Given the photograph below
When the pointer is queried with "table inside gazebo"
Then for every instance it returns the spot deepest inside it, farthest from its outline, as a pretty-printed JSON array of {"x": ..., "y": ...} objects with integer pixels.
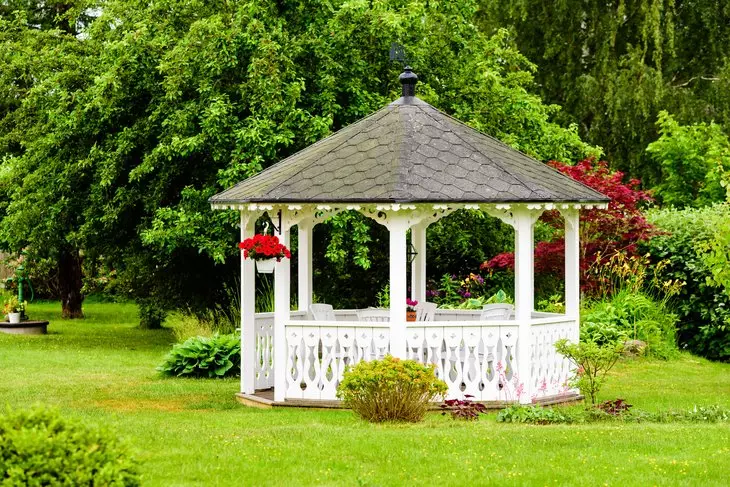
[{"x": 472, "y": 356}]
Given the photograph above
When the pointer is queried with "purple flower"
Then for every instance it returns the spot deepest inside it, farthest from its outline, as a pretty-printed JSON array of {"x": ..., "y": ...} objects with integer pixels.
[{"x": 467, "y": 294}]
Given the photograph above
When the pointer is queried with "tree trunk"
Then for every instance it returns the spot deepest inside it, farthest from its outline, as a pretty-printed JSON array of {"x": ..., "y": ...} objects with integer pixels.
[{"x": 70, "y": 282}]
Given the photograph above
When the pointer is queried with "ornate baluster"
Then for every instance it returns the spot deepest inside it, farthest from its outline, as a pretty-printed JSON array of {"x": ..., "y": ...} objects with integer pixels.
[
  {"x": 294, "y": 361},
  {"x": 454, "y": 366},
  {"x": 312, "y": 367},
  {"x": 472, "y": 366}
]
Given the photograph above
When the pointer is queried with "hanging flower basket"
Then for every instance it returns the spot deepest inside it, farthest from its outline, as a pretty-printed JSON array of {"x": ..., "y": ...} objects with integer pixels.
[
  {"x": 265, "y": 266},
  {"x": 265, "y": 250}
]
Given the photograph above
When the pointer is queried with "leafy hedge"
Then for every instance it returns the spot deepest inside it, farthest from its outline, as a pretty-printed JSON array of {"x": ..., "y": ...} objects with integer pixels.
[
  {"x": 40, "y": 447},
  {"x": 703, "y": 309},
  {"x": 215, "y": 356}
]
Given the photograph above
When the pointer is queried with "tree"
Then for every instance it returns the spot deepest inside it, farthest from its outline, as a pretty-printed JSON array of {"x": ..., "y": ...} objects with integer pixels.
[
  {"x": 163, "y": 104},
  {"x": 614, "y": 65},
  {"x": 44, "y": 195},
  {"x": 619, "y": 228},
  {"x": 693, "y": 161}
]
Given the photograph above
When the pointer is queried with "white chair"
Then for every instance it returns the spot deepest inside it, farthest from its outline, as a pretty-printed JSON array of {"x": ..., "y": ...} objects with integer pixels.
[
  {"x": 373, "y": 315},
  {"x": 425, "y": 311},
  {"x": 496, "y": 312},
  {"x": 322, "y": 312}
]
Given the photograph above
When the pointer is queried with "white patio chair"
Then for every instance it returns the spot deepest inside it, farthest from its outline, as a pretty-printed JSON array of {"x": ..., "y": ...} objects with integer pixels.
[
  {"x": 496, "y": 312},
  {"x": 425, "y": 311},
  {"x": 322, "y": 312},
  {"x": 373, "y": 315}
]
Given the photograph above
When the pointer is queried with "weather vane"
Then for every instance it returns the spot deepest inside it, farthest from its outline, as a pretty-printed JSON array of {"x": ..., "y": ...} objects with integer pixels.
[{"x": 398, "y": 53}]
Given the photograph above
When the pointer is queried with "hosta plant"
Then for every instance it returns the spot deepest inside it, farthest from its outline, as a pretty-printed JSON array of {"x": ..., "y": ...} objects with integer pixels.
[
  {"x": 390, "y": 389},
  {"x": 215, "y": 356}
]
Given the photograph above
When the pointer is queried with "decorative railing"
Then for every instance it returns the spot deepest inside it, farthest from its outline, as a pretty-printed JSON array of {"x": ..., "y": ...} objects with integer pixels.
[
  {"x": 478, "y": 359},
  {"x": 550, "y": 371},
  {"x": 317, "y": 354},
  {"x": 475, "y": 358}
]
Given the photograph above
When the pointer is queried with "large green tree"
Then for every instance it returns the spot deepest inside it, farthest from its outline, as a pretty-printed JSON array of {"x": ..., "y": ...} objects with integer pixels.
[
  {"x": 614, "y": 65},
  {"x": 158, "y": 105}
]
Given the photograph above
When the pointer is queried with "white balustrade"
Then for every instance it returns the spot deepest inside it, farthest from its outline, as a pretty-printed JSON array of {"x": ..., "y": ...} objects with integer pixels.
[
  {"x": 477, "y": 359},
  {"x": 550, "y": 371},
  {"x": 317, "y": 354}
]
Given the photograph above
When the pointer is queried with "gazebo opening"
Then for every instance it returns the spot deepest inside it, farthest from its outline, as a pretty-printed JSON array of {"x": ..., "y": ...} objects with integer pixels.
[{"x": 406, "y": 167}]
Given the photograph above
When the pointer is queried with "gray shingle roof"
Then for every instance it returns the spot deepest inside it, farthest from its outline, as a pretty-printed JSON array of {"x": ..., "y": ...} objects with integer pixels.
[{"x": 408, "y": 152}]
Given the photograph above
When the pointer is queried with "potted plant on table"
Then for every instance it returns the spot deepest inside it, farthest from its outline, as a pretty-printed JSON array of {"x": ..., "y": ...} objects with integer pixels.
[
  {"x": 14, "y": 309},
  {"x": 411, "y": 309},
  {"x": 265, "y": 250}
]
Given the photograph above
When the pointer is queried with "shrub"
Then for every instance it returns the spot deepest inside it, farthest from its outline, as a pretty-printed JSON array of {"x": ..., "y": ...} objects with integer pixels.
[
  {"x": 593, "y": 362},
  {"x": 537, "y": 415},
  {"x": 703, "y": 309},
  {"x": 629, "y": 316},
  {"x": 40, "y": 447},
  {"x": 215, "y": 356},
  {"x": 465, "y": 409},
  {"x": 390, "y": 389},
  {"x": 634, "y": 305}
]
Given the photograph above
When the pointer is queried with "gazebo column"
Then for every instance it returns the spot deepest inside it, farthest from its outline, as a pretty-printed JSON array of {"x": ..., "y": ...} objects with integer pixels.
[
  {"x": 418, "y": 267},
  {"x": 398, "y": 227},
  {"x": 524, "y": 220},
  {"x": 248, "y": 309},
  {"x": 572, "y": 267},
  {"x": 305, "y": 231},
  {"x": 282, "y": 313}
]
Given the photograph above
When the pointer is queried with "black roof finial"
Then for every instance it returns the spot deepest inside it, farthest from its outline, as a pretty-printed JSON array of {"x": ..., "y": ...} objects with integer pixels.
[{"x": 408, "y": 80}]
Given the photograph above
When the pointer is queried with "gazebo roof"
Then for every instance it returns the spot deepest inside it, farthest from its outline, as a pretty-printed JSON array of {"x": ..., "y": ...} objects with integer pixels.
[{"x": 408, "y": 152}]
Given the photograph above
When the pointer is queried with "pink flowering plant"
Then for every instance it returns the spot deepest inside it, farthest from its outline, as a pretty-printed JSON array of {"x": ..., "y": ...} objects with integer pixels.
[{"x": 411, "y": 304}]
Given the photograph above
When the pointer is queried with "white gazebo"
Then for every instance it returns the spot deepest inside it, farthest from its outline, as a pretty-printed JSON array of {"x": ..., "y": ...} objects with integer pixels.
[{"x": 406, "y": 166}]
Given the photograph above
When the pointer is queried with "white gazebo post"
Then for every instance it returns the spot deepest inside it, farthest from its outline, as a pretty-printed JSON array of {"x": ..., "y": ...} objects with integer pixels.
[
  {"x": 572, "y": 267},
  {"x": 304, "y": 288},
  {"x": 418, "y": 267},
  {"x": 248, "y": 309},
  {"x": 524, "y": 220},
  {"x": 282, "y": 312},
  {"x": 398, "y": 226}
]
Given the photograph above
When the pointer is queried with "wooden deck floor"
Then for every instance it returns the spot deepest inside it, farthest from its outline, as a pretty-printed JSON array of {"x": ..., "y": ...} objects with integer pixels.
[{"x": 265, "y": 399}]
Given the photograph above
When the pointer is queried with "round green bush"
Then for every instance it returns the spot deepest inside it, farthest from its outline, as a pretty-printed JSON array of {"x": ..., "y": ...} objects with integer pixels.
[
  {"x": 216, "y": 356},
  {"x": 40, "y": 447},
  {"x": 390, "y": 389}
]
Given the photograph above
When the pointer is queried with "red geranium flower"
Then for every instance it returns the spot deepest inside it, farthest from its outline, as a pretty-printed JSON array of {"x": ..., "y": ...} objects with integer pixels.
[{"x": 260, "y": 247}]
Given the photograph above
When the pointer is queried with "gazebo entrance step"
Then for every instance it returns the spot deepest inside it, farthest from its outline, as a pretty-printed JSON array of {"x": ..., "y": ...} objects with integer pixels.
[{"x": 264, "y": 399}]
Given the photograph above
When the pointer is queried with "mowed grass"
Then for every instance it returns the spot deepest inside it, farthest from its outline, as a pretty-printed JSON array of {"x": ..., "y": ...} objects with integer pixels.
[{"x": 192, "y": 432}]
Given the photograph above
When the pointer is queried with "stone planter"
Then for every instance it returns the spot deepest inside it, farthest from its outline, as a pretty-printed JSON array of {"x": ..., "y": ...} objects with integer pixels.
[
  {"x": 14, "y": 318},
  {"x": 24, "y": 328}
]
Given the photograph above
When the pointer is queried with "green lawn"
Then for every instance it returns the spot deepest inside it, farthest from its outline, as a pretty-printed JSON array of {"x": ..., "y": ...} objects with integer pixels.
[{"x": 192, "y": 432}]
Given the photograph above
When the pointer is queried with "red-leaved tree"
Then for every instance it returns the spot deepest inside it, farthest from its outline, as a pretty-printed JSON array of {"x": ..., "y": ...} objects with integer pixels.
[{"x": 602, "y": 232}]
